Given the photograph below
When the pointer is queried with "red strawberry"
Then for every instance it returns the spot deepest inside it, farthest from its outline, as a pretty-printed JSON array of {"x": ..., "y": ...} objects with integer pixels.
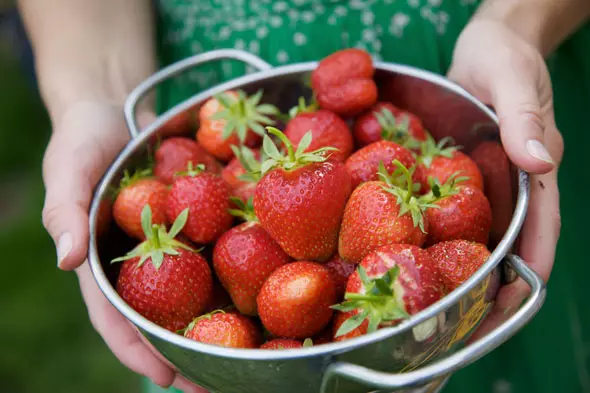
[
  {"x": 380, "y": 213},
  {"x": 390, "y": 284},
  {"x": 363, "y": 165},
  {"x": 343, "y": 82},
  {"x": 441, "y": 162},
  {"x": 494, "y": 165},
  {"x": 243, "y": 259},
  {"x": 462, "y": 212},
  {"x": 386, "y": 121},
  {"x": 286, "y": 343},
  {"x": 104, "y": 217},
  {"x": 339, "y": 319},
  {"x": 207, "y": 197},
  {"x": 327, "y": 130},
  {"x": 174, "y": 154},
  {"x": 180, "y": 124},
  {"x": 220, "y": 298},
  {"x": 323, "y": 337},
  {"x": 295, "y": 300},
  {"x": 244, "y": 178},
  {"x": 245, "y": 161},
  {"x": 340, "y": 270},
  {"x": 162, "y": 278},
  {"x": 232, "y": 118},
  {"x": 457, "y": 260},
  {"x": 225, "y": 329},
  {"x": 301, "y": 198},
  {"x": 135, "y": 193}
]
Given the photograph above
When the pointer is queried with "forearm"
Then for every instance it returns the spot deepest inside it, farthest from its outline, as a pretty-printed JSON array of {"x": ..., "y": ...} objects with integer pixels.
[
  {"x": 543, "y": 23},
  {"x": 89, "y": 50}
]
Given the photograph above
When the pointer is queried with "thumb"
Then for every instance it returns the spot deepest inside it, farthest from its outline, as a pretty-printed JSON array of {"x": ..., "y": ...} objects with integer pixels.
[
  {"x": 66, "y": 202},
  {"x": 523, "y": 103}
]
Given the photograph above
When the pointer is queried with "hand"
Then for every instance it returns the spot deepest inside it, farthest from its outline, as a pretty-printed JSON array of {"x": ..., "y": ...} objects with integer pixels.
[
  {"x": 85, "y": 140},
  {"x": 493, "y": 63}
]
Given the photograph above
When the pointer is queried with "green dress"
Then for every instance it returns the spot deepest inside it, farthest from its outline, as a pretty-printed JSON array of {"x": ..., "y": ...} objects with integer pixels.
[{"x": 552, "y": 353}]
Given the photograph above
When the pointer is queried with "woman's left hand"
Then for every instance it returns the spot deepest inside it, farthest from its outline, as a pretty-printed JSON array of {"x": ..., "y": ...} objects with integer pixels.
[{"x": 497, "y": 66}]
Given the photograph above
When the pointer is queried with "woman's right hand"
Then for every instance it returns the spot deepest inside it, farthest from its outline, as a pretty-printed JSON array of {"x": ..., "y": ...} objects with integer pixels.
[{"x": 86, "y": 138}]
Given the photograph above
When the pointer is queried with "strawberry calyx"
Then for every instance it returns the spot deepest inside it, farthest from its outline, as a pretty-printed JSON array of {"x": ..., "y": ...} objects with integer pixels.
[
  {"x": 295, "y": 158},
  {"x": 302, "y": 107},
  {"x": 251, "y": 165},
  {"x": 429, "y": 149},
  {"x": 158, "y": 241},
  {"x": 440, "y": 191},
  {"x": 399, "y": 183},
  {"x": 191, "y": 170},
  {"x": 307, "y": 343},
  {"x": 396, "y": 129},
  {"x": 129, "y": 179},
  {"x": 378, "y": 304},
  {"x": 244, "y": 211},
  {"x": 191, "y": 325},
  {"x": 244, "y": 113}
]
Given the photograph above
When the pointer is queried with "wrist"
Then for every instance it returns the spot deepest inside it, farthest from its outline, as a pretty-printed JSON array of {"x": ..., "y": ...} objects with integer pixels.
[{"x": 544, "y": 24}]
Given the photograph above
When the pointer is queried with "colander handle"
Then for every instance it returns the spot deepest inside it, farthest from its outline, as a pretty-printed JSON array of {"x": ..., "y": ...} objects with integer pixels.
[
  {"x": 458, "y": 360},
  {"x": 176, "y": 68}
]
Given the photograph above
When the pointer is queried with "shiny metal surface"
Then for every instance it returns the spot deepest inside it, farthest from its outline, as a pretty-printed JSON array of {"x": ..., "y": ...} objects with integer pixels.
[{"x": 429, "y": 337}]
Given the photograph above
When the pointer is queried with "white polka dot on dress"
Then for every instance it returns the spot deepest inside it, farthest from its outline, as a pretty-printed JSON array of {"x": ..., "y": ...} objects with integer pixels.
[
  {"x": 282, "y": 56},
  {"x": 299, "y": 39},
  {"x": 276, "y": 21},
  {"x": 261, "y": 32}
]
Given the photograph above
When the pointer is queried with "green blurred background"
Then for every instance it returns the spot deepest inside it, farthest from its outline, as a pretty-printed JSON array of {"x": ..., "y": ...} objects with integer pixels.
[{"x": 46, "y": 341}]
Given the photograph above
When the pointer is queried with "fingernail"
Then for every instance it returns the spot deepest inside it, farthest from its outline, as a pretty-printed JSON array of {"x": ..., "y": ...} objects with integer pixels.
[
  {"x": 539, "y": 151},
  {"x": 64, "y": 246}
]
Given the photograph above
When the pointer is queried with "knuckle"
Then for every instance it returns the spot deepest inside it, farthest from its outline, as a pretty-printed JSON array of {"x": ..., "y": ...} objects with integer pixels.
[{"x": 50, "y": 215}]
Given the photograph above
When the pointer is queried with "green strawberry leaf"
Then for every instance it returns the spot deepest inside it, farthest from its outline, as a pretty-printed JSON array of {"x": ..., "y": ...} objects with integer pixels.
[{"x": 352, "y": 323}]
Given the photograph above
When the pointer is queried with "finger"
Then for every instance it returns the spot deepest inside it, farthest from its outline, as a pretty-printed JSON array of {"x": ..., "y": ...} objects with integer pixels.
[
  {"x": 518, "y": 100},
  {"x": 186, "y": 386},
  {"x": 119, "y": 335}
]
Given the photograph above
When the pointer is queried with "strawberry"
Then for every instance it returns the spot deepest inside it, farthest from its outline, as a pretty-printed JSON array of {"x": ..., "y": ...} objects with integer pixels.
[
  {"x": 162, "y": 278},
  {"x": 245, "y": 177},
  {"x": 104, "y": 217},
  {"x": 135, "y": 192},
  {"x": 390, "y": 284},
  {"x": 327, "y": 130},
  {"x": 225, "y": 329},
  {"x": 286, "y": 343},
  {"x": 343, "y": 82},
  {"x": 301, "y": 198},
  {"x": 220, "y": 298},
  {"x": 441, "y": 162},
  {"x": 380, "y": 213},
  {"x": 323, "y": 337},
  {"x": 182, "y": 123},
  {"x": 233, "y": 118},
  {"x": 237, "y": 170},
  {"x": 457, "y": 260},
  {"x": 207, "y": 196},
  {"x": 339, "y": 319},
  {"x": 461, "y": 212},
  {"x": 340, "y": 271},
  {"x": 174, "y": 154},
  {"x": 386, "y": 121},
  {"x": 295, "y": 300},
  {"x": 363, "y": 165},
  {"x": 494, "y": 165},
  {"x": 243, "y": 258}
]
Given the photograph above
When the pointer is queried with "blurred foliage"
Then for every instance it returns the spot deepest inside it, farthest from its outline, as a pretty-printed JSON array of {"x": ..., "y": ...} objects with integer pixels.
[{"x": 47, "y": 342}]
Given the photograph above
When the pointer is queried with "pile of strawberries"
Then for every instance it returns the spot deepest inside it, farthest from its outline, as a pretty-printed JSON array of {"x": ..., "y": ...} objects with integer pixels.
[{"x": 350, "y": 220}]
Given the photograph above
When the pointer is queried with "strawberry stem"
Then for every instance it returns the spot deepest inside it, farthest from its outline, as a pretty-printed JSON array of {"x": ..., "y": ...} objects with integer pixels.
[
  {"x": 360, "y": 296},
  {"x": 156, "y": 235},
  {"x": 283, "y": 138},
  {"x": 408, "y": 177}
]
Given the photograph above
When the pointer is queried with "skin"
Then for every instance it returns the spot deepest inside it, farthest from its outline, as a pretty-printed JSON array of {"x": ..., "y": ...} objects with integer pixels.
[{"x": 107, "y": 45}]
